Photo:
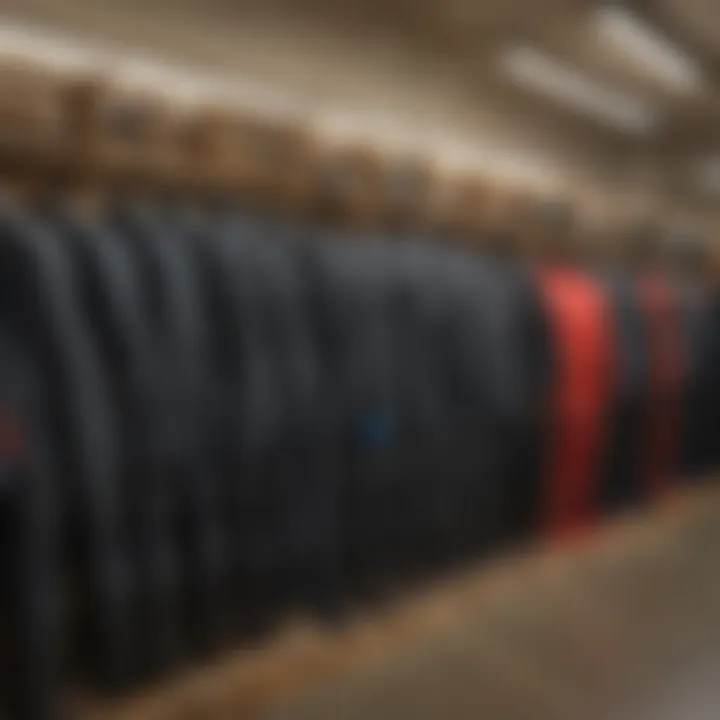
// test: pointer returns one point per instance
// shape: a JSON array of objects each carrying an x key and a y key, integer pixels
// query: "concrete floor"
[
  {"x": 623, "y": 624},
  {"x": 625, "y": 627}
]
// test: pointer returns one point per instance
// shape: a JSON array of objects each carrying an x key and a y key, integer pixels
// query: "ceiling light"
[
  {"x": 707, "y": 175},
  {"x": 25, "y": 43},
  {"x": 648, "y": 49},
  {"x": 538, "y": 72}
]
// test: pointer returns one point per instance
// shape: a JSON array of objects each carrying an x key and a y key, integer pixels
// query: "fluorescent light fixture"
[
  {"x": 126, "y": 68},
  {"x": 647, "y": 49},
  {"x": 61, "y": 52},
  {"x": 190, "y": 87},
  {"x": 386, "y": 129},
  {"x": 455, "y": 153},
  {"x": 540, "y": 73},
  {"x": 133, "y": 70},
  {"x": 707, "y": 175},
  {"x": 509, "y": 164}
]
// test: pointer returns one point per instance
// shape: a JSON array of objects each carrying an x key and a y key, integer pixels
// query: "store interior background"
[{"x": 631, "y": 125}]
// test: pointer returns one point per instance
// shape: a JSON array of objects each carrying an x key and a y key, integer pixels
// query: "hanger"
[
  {"x": 349, "y": 182},
  {"x": 406, "y": 193}
]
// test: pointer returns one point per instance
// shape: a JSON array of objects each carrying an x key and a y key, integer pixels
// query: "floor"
[{"x": 620, "y": 624}]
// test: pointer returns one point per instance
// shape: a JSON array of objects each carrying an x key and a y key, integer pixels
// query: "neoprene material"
[
  {"x": 222, "y": 381},
  {"x": 39, "y": 297},
  {"x": 172, "y": 295},
  {"x": 354, "y": 314},
  {"x": 298, "y": 537},
  {"x": 620, "y": 484},
  {"x": 260, "y": 410},
  {"x": 486, "y": 380},
  {"x": 418, "y": 308},
  {"x": 709, "y": 446},
  {"x": 527, "y": 436},
  {"x": 306, "y": 494},
  {"x": 209, "y": 417},
  {"x": 697, "y": 327},
  {"x": 579, "y": 317},
  {"x": 661, "y": 445},
  {"x": 111, "y": 300},
  {"x": 30, "y": 599}
]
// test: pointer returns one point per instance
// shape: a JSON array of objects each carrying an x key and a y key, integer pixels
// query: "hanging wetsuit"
[
  {"x": 353, "y": 312},
  {"x": 534, "y": 366},
  {"x": 620, "y": 483},
  {"x": 662, "y": 440},
  {"x": 697, "y": 327},
  {"x": 579, "y": 319}
]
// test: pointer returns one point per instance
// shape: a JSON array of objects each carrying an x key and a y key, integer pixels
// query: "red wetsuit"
[
  {"x": 666, "y": 355},
  {"x": 581, "y": 327}
]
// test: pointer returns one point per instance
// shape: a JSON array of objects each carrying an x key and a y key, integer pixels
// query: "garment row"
[{"x": 208, "y": 418}]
